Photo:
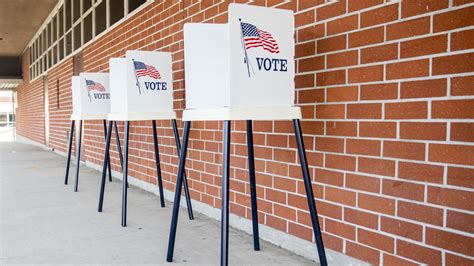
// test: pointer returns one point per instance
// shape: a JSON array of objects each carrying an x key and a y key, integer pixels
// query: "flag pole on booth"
[
  {"x": 246, "y": 58},
  {"x": 88, "y": 91},
  {"x": 136, "y": 77}
]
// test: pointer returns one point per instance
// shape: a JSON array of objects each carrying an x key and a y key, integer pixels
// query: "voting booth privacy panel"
[
  {"x": 90, "y": 96},
  {"x": 248, "y": 62},
  {"x": 141, "y": 83}
]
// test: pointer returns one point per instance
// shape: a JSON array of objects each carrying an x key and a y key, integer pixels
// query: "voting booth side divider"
[{"x": 242, "y": 91}]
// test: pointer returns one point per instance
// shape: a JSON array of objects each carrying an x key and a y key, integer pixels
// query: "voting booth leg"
[
  {"x": 309, "y": 192},
  {"x": 158, "y": 166},
  {"x": 78, "y": 156},
  {"x": 104, "y": 167},
  {"x": 119, "y": 149},
  {"x": 108, "y": 156},
  {"x": 185, "y": 180},
  {"x": 71, "y": 136},
  {"x": 253, "y": 187},
  {"x": 125, "y": 174},
  {"x": 177, "y": 193},
  {"x": 225, "y": 194}
]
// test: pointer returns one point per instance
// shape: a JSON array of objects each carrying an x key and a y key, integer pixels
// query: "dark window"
[
  {"x": 116, "y": 11},
  {"x": 134, "y": 4},
  {"x": 48, "y": 35},
  {"x": 88, "y": 28},
  {"x": 43, "y": 37},
  {"x": 76, "y": 9},
  {"x": 86, "y": 4},
  {"x": 55, "y": 28},
  {"x": 60, "y": 22},
  {"x": 61, "y": 48},
  {"x": 67, "y": 7},
  {"x": 100, "y": 18},
  {"x": 77, "y": 36},
  {"x": 68, "y": 43},
  {"x": 50, "y": 59}
]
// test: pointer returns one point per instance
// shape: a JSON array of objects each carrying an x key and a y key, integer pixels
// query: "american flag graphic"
[
  {"x": 94, "y": 86},
  {"x": 255, "y": 37},
  {"x": 143, "y": 70}
]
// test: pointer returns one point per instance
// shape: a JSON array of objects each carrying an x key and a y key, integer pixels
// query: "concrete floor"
[{"x": 43, "y": 221}]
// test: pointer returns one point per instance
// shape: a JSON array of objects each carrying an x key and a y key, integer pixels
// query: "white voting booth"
[
  {"x": 90, "y": 101},
  {"x": 141, "y": 86},
  {"x": 243, "y": 69},
  {"x": 90, "y": 96}
]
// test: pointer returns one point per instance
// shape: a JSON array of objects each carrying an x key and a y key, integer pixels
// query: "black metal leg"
[
  {"x": 225, "y": 195},
  {"x": 177, "y": 194},
  {"x": 185, "y": 180},
  {"x": 78, "y": 156},
  {"x": 108, "y": 155},
  {"x": 119, "y": 149},
  {"x": 309, "y": 193},
  {"x": 253, "y": 188},
  {"x": 125, "y": 174},
  {"x": 71, "y": 136},
  {"x": 104, "y": 167},
  {"x": 158, "y": 167}
]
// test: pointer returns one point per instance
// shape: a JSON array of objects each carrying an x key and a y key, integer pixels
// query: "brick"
[
  {"x": 311, "y": 33},
  {"x": 311, "y": 64},
  {"x": 462, "y": 85},
  {"x": 450, "y": 241},
  {"x": 328, "y": 209},
  {"x": 376, "y": 166},
  {"x": 423, "y": 130},
  {"x": 354, "y": 5},
  {"x": 406, "y": 110},
  {"x": 378, "y": 129},
  {"x": 331, "y": 44},
  {"x": 340, "y": 196},
  {"x": 408, "y": 28},
  {"x": 393, "y": 260},
  {"x": 342, "y": 94},
  {"x": 330, "y": 144},
  {"x": 421, "y": 172},
  {"x": 333, "y": 242},
  {"x": 366, "y": 37},
  {"x": 363, "y": 147},
  {"x": 305, "y": 49},
  {"x": 364, "y": 183},
  {"x": 364, "y": 111},
  {"x": 417, "y": 7},
  {"x": 340, "y": 229},
  {"x": 343, "y": 24},
  {"x": 376, "y": 203},
  {"x": 404, "y": 150},
  {"x": 330, "y": 111},
  {"x": 308, "y": 4},
  {"x": 331, "y": 10},
  {"x": 375, "y": 240},
  {"x": 456, "y": 154},
  {"x": 453, "y": 109},
  {"x": 462, "y": 132},
  {"x": 461, "y": 2},
  {"x": 463, "y": 177},
  {"x": 460, "y": 221},
  {"x": 363, "y": 253},
  {"x": 343, "y": 59},
  {"x": 423, "y": 88},
  {"x": 341, "y": 128},
  {"x": 311, "y": 96},
  {"x": 453, "y": 64},
  {"x": 458, "y": 199},
  {"x": 300, "y": 231},
  {"x": 382, "y": 91},
  {"x": 304, "y": 18},
  {"x": 453, "y": 260},
  {"x": 424, "y": 46},
  {"x": 304, "y": 81},
  {"x": 453, "y": 19},
  {"x": 331, "y": 78},
  {"x": 404, "y": 190},
  {"x": 341, "y": 162},
  {"x": 329, "y": 177},
  {"x": 361, "y": 218},
  {"x": 379, "y": 15},
  {"x": 420, "y": 212},
  {"x": 462, "y": 40},
  {"x": 421, "y": 254},
  {"x": 379, "y": 53},
  {"x": 408, "y": 69},
  {"x": 366, "y": 74}
]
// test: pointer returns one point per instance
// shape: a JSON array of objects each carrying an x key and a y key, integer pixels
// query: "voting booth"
[
  {"x": 242, "y": 70},
  {"x": 141, "y": 88},
  {"x": 90, "y": 101}
]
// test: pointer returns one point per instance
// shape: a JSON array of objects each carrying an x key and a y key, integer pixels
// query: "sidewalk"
[{"x": 43, "y": 221}]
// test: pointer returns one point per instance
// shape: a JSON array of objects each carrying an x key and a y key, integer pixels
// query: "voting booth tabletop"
[{"x": 127, "y": 118}]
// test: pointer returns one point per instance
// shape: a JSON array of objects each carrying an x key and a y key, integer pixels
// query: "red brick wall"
[{"x": 386, "y": 91}]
